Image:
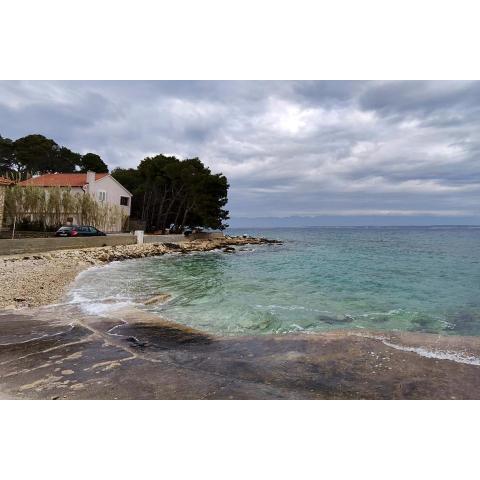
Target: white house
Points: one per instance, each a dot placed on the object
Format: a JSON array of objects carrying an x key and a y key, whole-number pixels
[{"x": 102, "y": 186}]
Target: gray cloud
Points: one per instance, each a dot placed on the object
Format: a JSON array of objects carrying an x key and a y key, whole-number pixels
[{"x": 386, "y": 149}]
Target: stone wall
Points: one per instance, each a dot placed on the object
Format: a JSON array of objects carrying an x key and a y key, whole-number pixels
[
  {"x": 182, "y": 238},
  {"x": 35, "y": 245},
  {"x": 164, "y": 238}
]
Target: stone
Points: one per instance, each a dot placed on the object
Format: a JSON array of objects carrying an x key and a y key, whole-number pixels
[
  {"x": 173, "y": 246},
  {"x": 160, "y": 298}
]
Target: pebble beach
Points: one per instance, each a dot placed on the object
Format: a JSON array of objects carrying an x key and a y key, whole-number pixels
[{"x": 32, "y": 280}]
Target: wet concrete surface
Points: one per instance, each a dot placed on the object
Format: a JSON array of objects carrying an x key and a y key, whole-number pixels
[{"x": 58, "y": 354}]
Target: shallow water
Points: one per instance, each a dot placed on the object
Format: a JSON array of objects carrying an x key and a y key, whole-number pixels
[{"x": 416, "y": 279}]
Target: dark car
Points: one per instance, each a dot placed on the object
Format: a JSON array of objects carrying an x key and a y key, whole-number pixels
[
  {"x": 79, "y": 231},
  {"x": 189, "y": 230}
]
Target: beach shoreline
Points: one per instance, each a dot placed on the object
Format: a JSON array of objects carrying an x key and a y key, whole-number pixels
[
  {"x": 60, "y": 352},
  {"x": 33, "y": 280},
  {"x": 133, "y": 354}
]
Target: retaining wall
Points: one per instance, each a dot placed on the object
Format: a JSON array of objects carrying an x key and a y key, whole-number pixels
[
  {"x": 181, "y": 238},
  {"x": 164, "y": 238},
  {"x": 35, "y": 245}
]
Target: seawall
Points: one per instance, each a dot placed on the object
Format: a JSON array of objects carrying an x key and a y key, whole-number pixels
[{"x": 37, "y": 245}]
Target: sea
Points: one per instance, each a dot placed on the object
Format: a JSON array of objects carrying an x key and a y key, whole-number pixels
[{"x": 420, "y": 279}]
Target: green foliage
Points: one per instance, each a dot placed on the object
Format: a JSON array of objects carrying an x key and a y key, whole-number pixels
[
  {"x": 6, "y": 156},
  {"x": 166, "y": 191},
  {"x": 169, "y": 191},
  {"x": 36, "y": 154},
  {"x": 93, "y": 162},
  {"x": 130, "y": 178},
  {"x": 51, "y": 207}
]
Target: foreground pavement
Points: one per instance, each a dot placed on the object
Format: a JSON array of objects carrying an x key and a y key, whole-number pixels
[{"x": 59, "y": 353}]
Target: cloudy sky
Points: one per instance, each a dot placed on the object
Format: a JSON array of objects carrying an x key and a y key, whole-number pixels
[{"x": 319, "y": 152}]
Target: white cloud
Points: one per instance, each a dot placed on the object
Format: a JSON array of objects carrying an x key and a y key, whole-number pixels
[{"x": 286, "y": 147}]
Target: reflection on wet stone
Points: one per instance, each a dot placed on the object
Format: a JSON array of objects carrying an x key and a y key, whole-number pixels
[{"x": 139, "y": 355}]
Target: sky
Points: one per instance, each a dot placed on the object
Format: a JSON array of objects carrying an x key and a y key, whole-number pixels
[{"x": 295, "y": 153}]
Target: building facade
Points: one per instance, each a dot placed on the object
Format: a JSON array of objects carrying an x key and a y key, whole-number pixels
[{"x": 100, "y": 186}]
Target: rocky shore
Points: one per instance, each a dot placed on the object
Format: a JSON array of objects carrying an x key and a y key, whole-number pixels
[
  {"x": 41, "y": 278},
  {"x": 131, "y": 354},
  {"x": 61, "y": 352}
]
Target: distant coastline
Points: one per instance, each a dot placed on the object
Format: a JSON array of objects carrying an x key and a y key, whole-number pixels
[{"x": 350, "y": 221}]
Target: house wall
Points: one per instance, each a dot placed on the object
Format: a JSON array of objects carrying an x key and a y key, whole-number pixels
[{"x": 113, "y": 190}]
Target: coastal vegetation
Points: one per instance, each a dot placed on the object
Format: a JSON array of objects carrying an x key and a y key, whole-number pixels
[
  {"x": 168, "y": 193},
  {"x": 172, "y": 193},
  {"x": 36, "y": 154},
  {"x": 46, "y": 209}
]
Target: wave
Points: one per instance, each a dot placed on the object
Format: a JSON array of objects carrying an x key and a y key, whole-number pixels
[
  {"x": 454, "y": 356},
  {"x": 101, "y": 307}
]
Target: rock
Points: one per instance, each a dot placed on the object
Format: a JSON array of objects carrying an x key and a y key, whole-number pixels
[
  {"x": 267, "y": 240},
  {"x": 173, "y": 246},
  {"x": 229, "y": 250},
  {"x": 160, "y": 298}
]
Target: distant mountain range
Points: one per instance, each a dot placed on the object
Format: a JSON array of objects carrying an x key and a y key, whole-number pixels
[{"x": 334, "y": 221}]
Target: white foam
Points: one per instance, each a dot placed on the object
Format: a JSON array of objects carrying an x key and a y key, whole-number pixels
[
  {"x": 100, "y": 307},
  {"x": 458, "y": 357}
]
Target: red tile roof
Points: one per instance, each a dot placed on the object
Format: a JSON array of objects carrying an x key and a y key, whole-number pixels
[
  {"x": 60, "y": 180},
  {"x": 6, "y": 181}
]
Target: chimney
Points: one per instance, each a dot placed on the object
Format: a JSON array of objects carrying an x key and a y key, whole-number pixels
[{"x": 90, "y": 182}]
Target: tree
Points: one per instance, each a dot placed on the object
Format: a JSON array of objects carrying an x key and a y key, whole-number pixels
[
  {"x": 7, "y": 156},
  {"x": 168, "y": 191},
  {"x": 93, "y": 162},
  {"x": 36, "y": 154}
]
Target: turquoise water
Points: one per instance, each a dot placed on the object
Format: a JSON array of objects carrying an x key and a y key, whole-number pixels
[{"x": 417, "y": 279}]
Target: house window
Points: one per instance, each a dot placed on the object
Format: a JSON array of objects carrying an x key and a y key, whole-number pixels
[
  {"x": 102, "y": 195},
  {"x": 124, "y": 201}
]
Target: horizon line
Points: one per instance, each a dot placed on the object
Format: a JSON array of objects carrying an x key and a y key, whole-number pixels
[{"x": 364, "y": 226}]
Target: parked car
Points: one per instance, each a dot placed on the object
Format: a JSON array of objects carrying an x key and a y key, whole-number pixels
[
  {"x": 189, "y": 230},
  {"x": 79, "y": 231}
]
